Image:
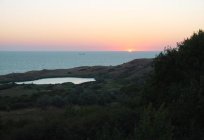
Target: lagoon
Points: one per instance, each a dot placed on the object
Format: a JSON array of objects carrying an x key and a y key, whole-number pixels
[{"x": 73, "y": 80}]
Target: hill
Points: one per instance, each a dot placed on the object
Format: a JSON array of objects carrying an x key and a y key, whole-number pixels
[{"x": 134, "y": 69}]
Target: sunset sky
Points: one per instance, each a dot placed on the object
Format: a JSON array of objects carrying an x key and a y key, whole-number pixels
[{"x": 97, "y": 25}]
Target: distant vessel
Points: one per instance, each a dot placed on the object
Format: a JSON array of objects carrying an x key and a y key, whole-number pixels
[
  {"x": 18, "y": 62},
  {"x": 81, "y": 53}
]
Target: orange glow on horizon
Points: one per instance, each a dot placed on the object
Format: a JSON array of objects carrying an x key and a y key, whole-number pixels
[
  {"x": 114, "y": 25},
  {"x": 130, "y": 50}
]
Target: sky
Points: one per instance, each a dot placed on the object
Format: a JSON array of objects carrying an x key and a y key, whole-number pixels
[{"x": 97, "y": 25}]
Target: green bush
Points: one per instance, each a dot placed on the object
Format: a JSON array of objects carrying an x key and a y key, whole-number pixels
[
  {"x": 154, "y": 125},
  {"x": 178, "y": 82}
]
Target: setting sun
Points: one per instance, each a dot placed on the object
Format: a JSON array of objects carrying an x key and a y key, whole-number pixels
[
  {"x": 130, "y": 50},
  {"x": 97, "y": 25}
]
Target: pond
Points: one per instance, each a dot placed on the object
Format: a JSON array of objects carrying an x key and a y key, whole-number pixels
[{"x": 73, "y": 80}]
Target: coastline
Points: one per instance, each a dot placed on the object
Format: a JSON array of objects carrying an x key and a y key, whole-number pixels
[{"x": 137, "y": 67}]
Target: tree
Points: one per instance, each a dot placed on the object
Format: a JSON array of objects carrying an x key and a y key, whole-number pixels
[
  {"x": 178, "y": 81},
  {"x": 154, "y": 125}
]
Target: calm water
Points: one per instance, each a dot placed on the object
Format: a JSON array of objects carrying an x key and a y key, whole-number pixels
[
  {"x": 11, "y": 62},
  {"x": 58, "y": 81}
]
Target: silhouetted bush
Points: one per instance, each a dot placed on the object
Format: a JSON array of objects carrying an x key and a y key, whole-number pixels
[{"x": 177, "y": 81}]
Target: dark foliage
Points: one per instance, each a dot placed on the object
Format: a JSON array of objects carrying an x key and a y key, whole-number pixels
[{"x": 178, "y": 81}]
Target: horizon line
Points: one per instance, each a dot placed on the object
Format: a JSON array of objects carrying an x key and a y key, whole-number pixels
[{"x": 79, "y": 51}]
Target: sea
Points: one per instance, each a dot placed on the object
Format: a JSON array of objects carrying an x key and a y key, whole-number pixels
[{"x": 19, "y": 62}]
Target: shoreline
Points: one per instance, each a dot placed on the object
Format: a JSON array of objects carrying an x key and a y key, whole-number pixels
[
  {"x": 98, "y": 72},
  {"x": 22, "y": 62}
]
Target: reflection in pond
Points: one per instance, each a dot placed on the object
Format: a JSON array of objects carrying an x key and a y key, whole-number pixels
[{"x": 58, "y": 81}]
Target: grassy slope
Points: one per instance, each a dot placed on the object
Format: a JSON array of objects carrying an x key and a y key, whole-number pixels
[
  {"x": 109, "y": 78},
  {"x": 135, "y": 68}
]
